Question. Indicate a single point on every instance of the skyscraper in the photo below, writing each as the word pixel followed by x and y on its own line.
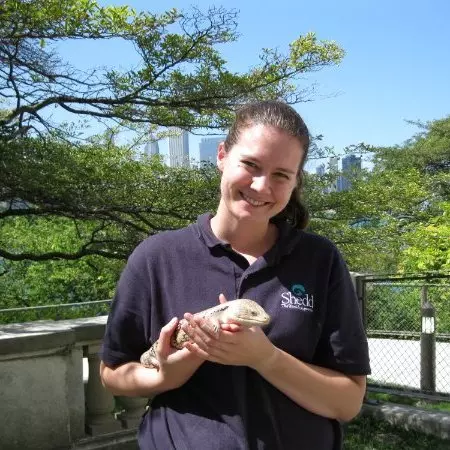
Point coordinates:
pixel 320 170
pixel 151 148
pixel 179 148
pixel 333 168
pixel 350 164
pixel 208 149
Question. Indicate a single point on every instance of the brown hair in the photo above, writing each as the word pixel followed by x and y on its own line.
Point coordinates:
pixel 277 114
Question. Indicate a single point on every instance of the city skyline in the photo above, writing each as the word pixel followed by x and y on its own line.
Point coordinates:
pixel 208 148
pixel 385 81
pixel 178 148
pixel 350 164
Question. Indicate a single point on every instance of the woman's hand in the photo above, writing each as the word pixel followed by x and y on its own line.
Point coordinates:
pixel 230 344
pixel 175 366
pixel 133 379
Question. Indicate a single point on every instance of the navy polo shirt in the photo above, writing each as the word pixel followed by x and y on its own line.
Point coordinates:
pixel 302 282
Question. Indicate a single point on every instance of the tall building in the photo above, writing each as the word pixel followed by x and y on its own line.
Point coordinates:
pixel 350 164
pixel 179 148
pixel 208 148
pixel 333 168
pixel 320 170
pixel 151 148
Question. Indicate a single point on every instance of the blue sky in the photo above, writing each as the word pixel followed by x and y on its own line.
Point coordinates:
pixel 396 68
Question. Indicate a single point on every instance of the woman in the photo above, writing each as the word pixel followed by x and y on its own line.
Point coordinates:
pixel 285 387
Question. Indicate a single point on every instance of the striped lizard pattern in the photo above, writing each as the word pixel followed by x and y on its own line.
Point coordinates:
pixel 245 312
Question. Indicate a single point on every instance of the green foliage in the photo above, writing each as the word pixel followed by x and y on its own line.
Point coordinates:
pixel 28 284
pixel 427 246
pixel 411 401
pixel 396 306
pixel 101 200
pixel 369 433
pixel 74 205
pixel 105 199
pixel 180 78
pixel 392 307
pixel 396 216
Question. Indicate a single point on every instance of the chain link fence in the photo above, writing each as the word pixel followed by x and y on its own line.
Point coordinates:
pixel 408 326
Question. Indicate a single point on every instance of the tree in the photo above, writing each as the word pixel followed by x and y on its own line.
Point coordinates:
pixel 53 172
pixel 101 199
pixel 181 79
pixel 395 217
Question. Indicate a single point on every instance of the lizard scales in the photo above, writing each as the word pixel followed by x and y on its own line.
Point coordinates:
pixel 244 312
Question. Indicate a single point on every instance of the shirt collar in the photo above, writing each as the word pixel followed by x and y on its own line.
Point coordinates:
pixel 206 234
pixel 288 238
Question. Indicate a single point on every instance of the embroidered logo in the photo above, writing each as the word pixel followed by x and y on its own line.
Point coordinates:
pixel 297 298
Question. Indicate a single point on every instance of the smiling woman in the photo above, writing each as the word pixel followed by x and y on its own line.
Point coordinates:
pixel 258 170
pixel 240 386
pixel 261 163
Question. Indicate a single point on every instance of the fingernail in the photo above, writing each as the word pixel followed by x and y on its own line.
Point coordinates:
pixel 174 319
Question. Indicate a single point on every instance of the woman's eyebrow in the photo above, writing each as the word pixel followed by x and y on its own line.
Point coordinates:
pixel 281 169
pixel 289 171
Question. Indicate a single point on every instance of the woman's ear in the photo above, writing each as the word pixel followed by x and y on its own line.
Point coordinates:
pixel 221 155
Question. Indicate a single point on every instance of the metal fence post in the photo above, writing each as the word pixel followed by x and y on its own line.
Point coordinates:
pixel 359 286
pixel 427 345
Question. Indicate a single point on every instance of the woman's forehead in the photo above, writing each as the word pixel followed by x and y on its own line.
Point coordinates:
pixel 264 140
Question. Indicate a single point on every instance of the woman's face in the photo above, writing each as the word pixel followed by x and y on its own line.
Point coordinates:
pixel 259 172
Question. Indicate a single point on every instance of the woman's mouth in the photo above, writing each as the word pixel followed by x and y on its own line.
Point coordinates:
pixel 252 201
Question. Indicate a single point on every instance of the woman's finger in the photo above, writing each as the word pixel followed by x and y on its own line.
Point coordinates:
pixel 222 298
pixel 203 327
pixel 232 327
pixel 215 355
pixel 167 330
pixel 198 336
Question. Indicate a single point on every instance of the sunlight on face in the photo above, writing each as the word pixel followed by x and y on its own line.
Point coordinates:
pixel 259 172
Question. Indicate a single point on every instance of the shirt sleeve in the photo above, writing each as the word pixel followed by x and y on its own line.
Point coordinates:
pixel 127 328
pixel 343 343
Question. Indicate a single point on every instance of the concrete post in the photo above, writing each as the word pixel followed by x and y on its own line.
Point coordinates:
pixel 99 402
pixel 134 408
pixel 41 390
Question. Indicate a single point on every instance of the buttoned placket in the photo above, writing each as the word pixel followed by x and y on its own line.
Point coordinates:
pixel 241 275
pixel 251 270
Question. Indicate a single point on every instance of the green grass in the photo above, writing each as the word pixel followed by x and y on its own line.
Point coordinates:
pixel 367 433
pixel 403 400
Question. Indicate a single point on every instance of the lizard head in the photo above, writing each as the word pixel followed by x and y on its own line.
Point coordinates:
pixel 246 312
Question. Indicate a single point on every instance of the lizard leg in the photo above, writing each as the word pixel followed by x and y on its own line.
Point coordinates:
pixel 215 326
pixel 149 359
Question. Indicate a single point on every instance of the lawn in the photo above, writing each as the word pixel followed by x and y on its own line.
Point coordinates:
pixel 366 433
pixel 410 401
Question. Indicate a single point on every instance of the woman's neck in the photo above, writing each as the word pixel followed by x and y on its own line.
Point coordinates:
pixel 246 237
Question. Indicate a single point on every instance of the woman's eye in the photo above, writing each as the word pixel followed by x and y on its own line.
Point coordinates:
pixel 282 175
pixel 249 163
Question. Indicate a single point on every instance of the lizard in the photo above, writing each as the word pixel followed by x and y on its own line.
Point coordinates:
pixel 244 312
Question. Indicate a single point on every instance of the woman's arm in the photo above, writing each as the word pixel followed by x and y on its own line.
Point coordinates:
pixel 134 380
pixel 322 391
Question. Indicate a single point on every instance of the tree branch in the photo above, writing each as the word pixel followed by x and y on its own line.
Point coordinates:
pixel 60 255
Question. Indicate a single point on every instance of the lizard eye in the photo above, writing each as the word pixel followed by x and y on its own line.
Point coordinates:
pixel 254 313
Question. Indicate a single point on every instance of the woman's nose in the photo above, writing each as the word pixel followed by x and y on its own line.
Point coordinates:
pixel 260 184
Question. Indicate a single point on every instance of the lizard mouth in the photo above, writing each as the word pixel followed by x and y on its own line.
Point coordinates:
pixel 251 321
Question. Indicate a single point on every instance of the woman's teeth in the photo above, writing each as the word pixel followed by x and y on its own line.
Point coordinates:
pixel 251 201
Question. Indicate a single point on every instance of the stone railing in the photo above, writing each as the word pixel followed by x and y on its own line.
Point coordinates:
pixel 51 396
